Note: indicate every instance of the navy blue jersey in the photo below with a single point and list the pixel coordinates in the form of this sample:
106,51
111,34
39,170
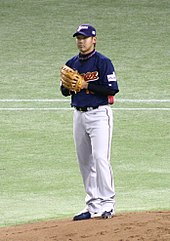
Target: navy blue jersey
96,69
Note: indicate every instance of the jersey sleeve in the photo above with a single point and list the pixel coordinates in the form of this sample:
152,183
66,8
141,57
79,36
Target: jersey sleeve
107,75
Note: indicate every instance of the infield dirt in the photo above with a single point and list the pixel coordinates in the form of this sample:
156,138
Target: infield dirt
149,226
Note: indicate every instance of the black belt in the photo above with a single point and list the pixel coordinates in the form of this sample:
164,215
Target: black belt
84,109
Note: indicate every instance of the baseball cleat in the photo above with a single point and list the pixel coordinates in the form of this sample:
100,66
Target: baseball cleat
106,214
82,216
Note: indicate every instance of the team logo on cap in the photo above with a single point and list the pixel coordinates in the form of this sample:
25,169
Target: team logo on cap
82,27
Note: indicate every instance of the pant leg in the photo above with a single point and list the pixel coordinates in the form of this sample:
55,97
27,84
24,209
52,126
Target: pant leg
84,154
100,131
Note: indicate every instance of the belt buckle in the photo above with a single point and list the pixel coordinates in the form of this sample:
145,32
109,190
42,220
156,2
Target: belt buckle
81,109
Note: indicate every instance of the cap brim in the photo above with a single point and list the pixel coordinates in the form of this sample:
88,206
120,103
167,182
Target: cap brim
80,33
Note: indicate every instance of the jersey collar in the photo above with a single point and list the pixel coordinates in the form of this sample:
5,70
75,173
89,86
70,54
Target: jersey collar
86,56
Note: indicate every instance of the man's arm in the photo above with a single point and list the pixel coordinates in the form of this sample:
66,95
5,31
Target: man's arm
101,90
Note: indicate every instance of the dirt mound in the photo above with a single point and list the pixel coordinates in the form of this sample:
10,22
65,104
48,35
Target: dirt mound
150,226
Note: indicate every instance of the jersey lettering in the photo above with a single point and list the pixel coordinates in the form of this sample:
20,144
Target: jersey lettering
90,76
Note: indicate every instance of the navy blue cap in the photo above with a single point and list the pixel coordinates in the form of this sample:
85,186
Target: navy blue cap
86,30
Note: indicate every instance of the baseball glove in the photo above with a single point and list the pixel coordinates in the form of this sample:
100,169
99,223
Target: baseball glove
71,79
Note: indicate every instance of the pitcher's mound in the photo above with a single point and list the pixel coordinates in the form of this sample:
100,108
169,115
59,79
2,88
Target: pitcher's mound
149,226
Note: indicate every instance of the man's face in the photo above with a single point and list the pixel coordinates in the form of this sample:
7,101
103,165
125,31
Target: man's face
85,44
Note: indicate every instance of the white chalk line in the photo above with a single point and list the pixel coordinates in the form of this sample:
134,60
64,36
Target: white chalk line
58,108
68,100
34,100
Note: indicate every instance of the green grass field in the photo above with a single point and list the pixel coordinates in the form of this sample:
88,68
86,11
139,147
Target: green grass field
39,174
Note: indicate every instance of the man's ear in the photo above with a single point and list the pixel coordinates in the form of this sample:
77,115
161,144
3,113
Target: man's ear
94,40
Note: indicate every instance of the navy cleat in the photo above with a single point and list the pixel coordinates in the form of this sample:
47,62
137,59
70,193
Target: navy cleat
106,214
82,216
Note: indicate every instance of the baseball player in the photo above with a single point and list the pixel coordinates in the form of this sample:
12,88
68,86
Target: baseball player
93,123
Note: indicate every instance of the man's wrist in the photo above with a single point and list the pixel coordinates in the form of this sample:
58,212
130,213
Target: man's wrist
85,85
